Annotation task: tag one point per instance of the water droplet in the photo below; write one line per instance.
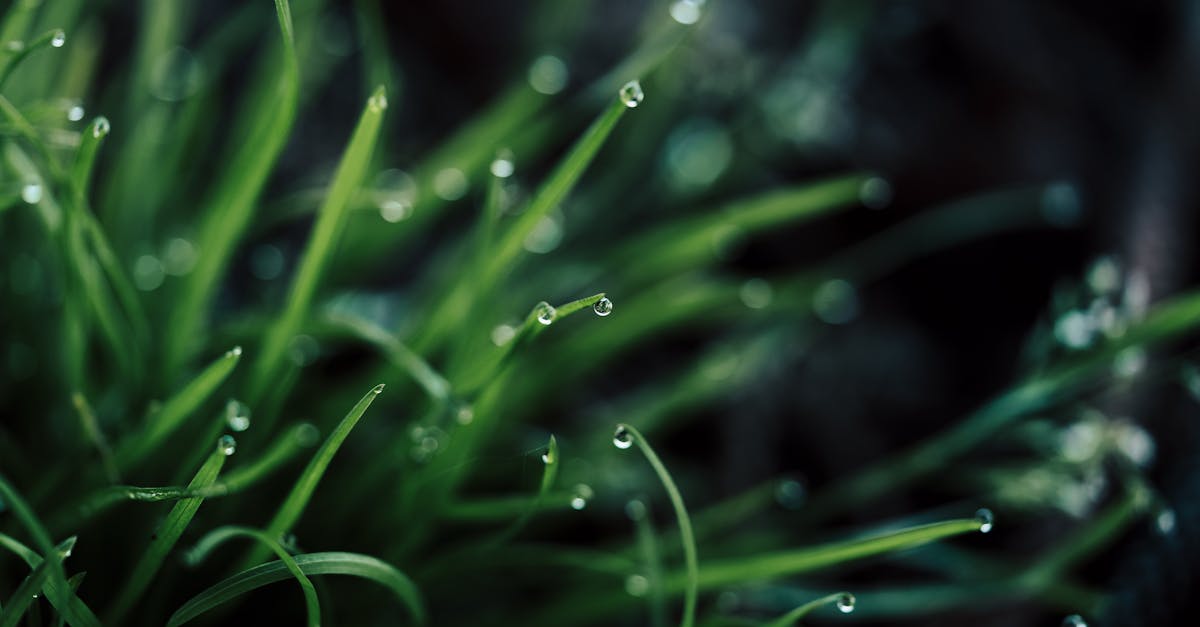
(580, 496)
(377, 389)
(622, 437)
(75, 113)
(1130, 362)
(756, 293)
(790, 494)
(31, 193)
(227, 445)
(1104, 276)
(465, 414)
(635, 510)
(58, 39)
(148, 273)
(698, 151)
(637, 585)
(1074, 620)
(548, 75)
(502, 166)
(100, 127)
(15, 46)
(395, 210)
(603, 307)
(986, 520)
(1165, 521)
(686, 12)
(236, 351)
(546, 313)
(378, 101)
(875, 193)
(237, 415)
(546, 235)
(179, 256)
(503, 334)
(450, 184)
(306, 434)
(835, 302)
(845, 603)
(1074, 330)
(631, 94)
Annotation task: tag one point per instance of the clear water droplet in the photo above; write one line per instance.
(546, 313)
(790, 494)
(1104, 276)
(100, 127)
(580, 496)
(227, 445)
(395, 210)
(637, 585)
(31, 193)
(236, 351)
(635, 510)
(502, 166)
(550, 456)
(179, 256)
(845, 603)
(622, 437)
(237, 415)
(835, 302)
(1074, 620)
(450, 184)
(546, 235)
(686, 12)
(58, 39)
(306, 434)
(1130, 362)
(875, 193)
(75, 113)
(631, 94)
(378, 101)
(985, 519)
(465, 414)
(548, 75)
(603, 307)
(1165, 521)
(148, 273)
(377, 389)
(503, 334)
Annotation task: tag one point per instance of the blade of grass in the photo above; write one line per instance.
(52, 38)
(646, 546)
(41, 538)
(91, 427)
(173, 413)
(219, 535)
(167, 535)
(549, 473)
(73, 582)
(310, 564)
(69, 606)
(293, 506)
(233, 201)
(35, 581)
(397, 353)
(624, 434)
(321, 244)
(843, 600)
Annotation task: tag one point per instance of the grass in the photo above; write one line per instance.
(209, 198)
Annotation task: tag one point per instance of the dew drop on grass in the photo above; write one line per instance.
(237, 415)
(450, 184)
(58, 39)
(686, 12)
(546, 313)
(465, 414)
(548, 75)
(378, 101)
(622, 438)
(1165, 521)
(637, 585)
(845, 603)
(75, 113)
(236, 351)
(603, 307)
(631, 94)
(394, 210)
(985, 519)
(31, 193)
(377, 389)
(100, 127)
(502, 166)
(502, 334)
(580, 496)
(227, 445)
(1074, 620)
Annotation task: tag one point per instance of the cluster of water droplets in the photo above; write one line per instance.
(1109, 301)
(177, 257)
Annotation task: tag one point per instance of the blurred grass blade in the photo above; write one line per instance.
(170, 417)
(397, 353)
(321, 244)
(221, 534)
(28, 590)
(310, 564)
(41, 538)
(165, 537)
(550, 471)
(52, 38)
(624, 434)
(68, 605)
(285, 449)
(293, 506)
(843, 600)
(91, 429)
(232, 204)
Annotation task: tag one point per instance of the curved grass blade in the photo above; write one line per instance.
(172, 414)
(310, 564)
(234, 199)
(165, 538)
(549, 473)
(41, 538)
(293, 506)
(221, 534)
(398, 353)
(692, 577)
(52, 38)
(27, 591)
(843, 600)
(326, 233)
(69, 606)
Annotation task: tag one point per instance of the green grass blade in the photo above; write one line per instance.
(624, 434)
(85, 158)
(69, 606)
(73, 582)
(648, 551)
(286, 448)
(232, 204)
(48, 39)
(41, 538)
(397, 353)
(221, 534)
(326, 233)
(165, 538)
(35, 581)
(91, 428)
(310, 564)
(550, 460)
(173, 413)
(843, 600)
(293, 506)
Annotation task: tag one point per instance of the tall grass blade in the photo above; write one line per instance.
(843, 600)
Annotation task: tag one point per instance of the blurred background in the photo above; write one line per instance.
(1027, 197)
